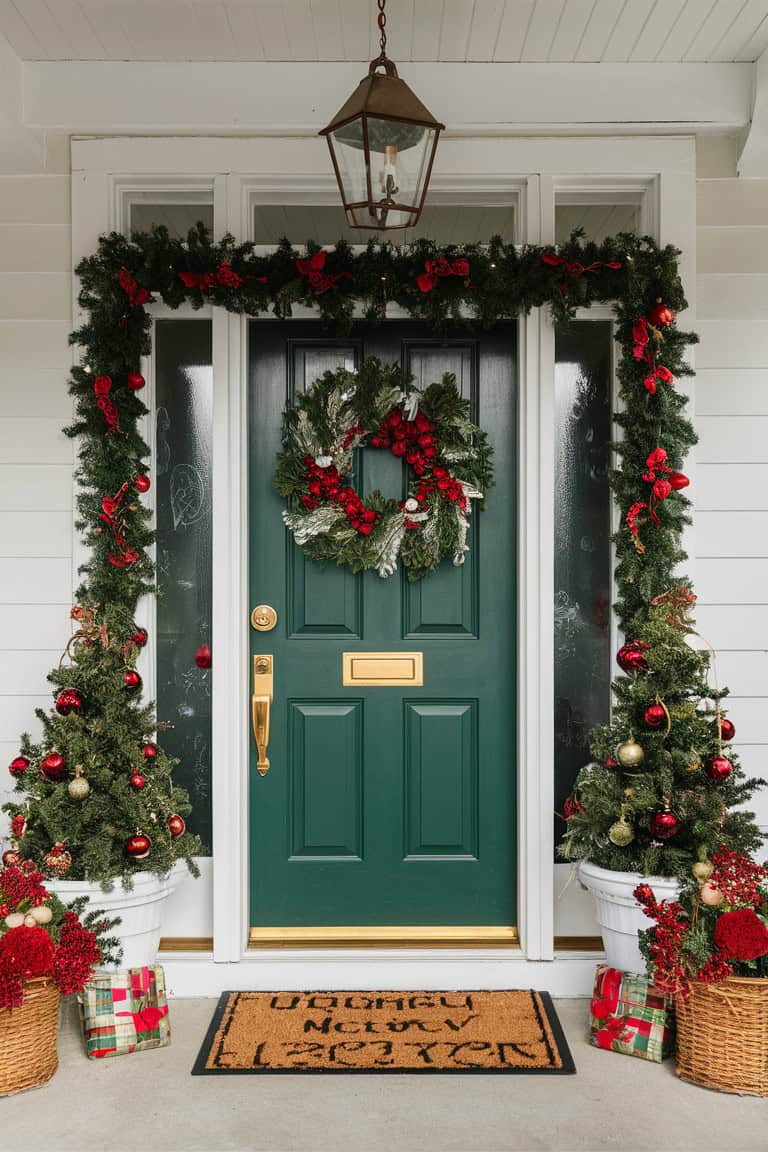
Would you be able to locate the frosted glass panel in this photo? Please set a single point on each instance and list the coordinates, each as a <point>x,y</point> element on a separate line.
<point>184,398</point>
<point>582,546</point>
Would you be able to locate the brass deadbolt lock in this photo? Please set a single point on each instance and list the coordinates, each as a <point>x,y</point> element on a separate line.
<point>263,618</point>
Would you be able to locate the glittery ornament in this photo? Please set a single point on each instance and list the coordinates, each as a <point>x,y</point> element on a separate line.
<point>621,833</point>
<point>58,861</point>
<point>630,754</point>
<point>664,825</point>
<point>718,768</point>
<point>68,700</point>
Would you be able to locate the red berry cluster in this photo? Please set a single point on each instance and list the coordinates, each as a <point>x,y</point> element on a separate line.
<point>667,938</point>
<point>741,935</point>
<point>76,956</point>
<point>414,439</point>
<point>738,878</point>
<point>325,486</point>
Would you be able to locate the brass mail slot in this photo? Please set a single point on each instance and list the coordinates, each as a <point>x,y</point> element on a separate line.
<point>379,669</point>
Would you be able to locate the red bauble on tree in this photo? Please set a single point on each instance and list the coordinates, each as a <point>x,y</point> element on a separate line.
<point>175,825</point>
<point>661,315</point>
<point>132,680</point>
<point>655,716</point>
<point>68,700</point>
<point>52,766</point>
<point>143,482</point>
<point>138,781</point>
<point>664,825</point>
<point>630,657</point>
<point>138,847</point>
<point>727,730</point>
<point>718,768</point>
<point>18,766</point>
<point>10,858</point>
<point>135,381</point>
<point>150,751</point>
<point>203,656</point>
<point>58,861</point>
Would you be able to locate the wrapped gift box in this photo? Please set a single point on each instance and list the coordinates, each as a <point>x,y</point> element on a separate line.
<point>627,1014</point>
<point>125,1012</point>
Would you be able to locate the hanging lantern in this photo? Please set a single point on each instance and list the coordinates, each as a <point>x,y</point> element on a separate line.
<point>382,143</point>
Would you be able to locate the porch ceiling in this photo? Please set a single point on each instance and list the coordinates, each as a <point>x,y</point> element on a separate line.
<point>533,31</point>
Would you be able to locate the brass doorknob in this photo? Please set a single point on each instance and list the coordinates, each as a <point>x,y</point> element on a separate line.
<point>263,618</point>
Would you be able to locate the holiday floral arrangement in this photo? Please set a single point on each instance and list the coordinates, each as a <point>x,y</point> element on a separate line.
<point>41,937</point>
<point>718,926</point>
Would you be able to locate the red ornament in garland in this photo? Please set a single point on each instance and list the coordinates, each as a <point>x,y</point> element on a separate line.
<point>143,482</point>
<point>58,861</point>
<point>139,638</point>
<point>135,381</point>
<point>138,847</point>
<point>18,824</point>
<point>10,858</point>
<point>718,768</point>
<point>52,766</point>
<point>138,781</point>
<point>661,316</point>
<point>176,825</point>
<point>203,656</point>
<point>630,656</point>
<point>655,716</point>
<point>727,731</point>
<point>611,762</point>
<point>664,825</point>
<point>150,751</point>
<point>68,700</point>
<point>132,680</point>
<point>18,766</point>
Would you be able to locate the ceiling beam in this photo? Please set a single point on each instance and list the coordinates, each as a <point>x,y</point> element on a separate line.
<point>753,160</point>
<point>299,98</point>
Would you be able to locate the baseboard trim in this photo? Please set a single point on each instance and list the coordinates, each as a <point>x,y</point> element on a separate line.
<point>186,944</point>
<point>579,944</point>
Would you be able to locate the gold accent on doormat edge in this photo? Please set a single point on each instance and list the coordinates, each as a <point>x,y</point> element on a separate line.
<point>186,944</point>
<point>386,936</point>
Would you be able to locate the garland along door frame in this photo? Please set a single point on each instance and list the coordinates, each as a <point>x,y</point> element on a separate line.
<point>107,174</point>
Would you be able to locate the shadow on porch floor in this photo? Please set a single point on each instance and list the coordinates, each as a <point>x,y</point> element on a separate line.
<point>150,1102</point>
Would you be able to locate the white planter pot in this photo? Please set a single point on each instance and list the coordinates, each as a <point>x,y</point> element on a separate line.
<point>140,910</point>
<point>618,913</point>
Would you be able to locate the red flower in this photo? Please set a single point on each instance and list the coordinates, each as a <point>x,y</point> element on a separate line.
<point>656,459</point>
<point>650,384</point>
<point>102,385</point>
<point>26,952</point>
<point>664,374</point>
<point>226,275</point>
<point>662,489</point>
<point>425,282</point>
<point>17,824</point>
<point>460,267</point>
<point>741,935</point>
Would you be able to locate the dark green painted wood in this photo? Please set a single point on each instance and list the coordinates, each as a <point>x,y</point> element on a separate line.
<point>385,805</point>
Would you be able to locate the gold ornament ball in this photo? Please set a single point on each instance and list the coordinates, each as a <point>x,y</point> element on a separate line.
<point>14,920</point>
<point>78,788</point>
<point>710,895</point>
<point>702,870</point>
<point>621,833</point>
<point>630,754</point>
<point>41,914</point>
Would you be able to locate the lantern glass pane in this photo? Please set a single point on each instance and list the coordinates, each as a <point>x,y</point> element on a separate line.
<point>400,161</point>
<point>350,158</point>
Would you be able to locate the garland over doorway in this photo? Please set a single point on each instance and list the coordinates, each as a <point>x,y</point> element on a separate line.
<point>470,284</point>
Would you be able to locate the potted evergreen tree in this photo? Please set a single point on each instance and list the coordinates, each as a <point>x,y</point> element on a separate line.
<point>665,790</point>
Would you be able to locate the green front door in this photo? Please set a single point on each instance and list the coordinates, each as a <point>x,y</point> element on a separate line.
<point>384,806</point>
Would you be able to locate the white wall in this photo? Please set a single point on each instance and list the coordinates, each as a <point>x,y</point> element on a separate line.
<point>731,524</point>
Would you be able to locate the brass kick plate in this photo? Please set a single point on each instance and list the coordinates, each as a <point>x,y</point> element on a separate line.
<point>382,669</point>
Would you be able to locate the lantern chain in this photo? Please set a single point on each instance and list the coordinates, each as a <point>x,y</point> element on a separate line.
<point>382,22</point>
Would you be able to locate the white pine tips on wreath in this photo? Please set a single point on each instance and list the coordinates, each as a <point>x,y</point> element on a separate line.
<point>447,457</point>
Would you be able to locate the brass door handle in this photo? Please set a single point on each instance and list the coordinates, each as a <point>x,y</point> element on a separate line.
<point>261,703</point>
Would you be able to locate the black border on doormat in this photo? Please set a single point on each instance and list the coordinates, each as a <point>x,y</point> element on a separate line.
<point>568,1066</point>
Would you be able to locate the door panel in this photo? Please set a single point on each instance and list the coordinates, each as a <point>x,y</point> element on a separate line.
<point>385,805</point>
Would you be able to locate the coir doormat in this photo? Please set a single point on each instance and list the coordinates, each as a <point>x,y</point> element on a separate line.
<point>256,1032</point>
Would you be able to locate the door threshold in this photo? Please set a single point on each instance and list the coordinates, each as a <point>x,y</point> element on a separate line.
<point>378,936</point>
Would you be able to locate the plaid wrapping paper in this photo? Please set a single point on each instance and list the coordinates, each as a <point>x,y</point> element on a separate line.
<point>627,1014</point>
<point>125,1012</point>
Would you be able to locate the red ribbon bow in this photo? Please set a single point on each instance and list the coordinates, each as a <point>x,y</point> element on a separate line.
<point>224,275</point>
<point>136,295</point>
<point>664,485</point>
<point>313,267</point>
<point>575,268</point>
<point>110,506</point>
<point>102,386</point>
<point>436,270</point>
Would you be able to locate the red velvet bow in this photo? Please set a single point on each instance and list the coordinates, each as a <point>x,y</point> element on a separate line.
<point>664,485</point>
<point>110,506</point>
<point>201,280</point>
<point>575,268</point>
<point>102,386</point>
<point>224,275</point>
<point>136,295</point>
<point>436,270</point>
<point>313,267</point>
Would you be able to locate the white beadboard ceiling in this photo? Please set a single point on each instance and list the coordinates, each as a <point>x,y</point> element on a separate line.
<point>532,31</point>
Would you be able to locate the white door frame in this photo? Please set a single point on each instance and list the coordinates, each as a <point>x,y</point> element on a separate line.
<point>239,172</point>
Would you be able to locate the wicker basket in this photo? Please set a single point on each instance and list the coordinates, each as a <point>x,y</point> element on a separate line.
<point>28,1038</point>
<point>722,1036</point>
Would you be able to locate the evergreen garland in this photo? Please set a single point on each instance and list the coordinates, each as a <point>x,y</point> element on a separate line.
<point>458,285</point>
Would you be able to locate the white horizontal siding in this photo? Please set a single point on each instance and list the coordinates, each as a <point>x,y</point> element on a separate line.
<point>35,487</point>
<point>723,439</point>
<point>38,627</point>
<point>36,581</point>
<point>36,534</point>
<point>34,440</point>
<point>729,533</point>
<point>727,580</point>
<point>24,673</point>
<point>731,392</point>
<point>732,486</point>
<point>31,391</point>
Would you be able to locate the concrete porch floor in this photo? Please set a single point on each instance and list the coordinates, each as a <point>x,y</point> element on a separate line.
<point>149,1102</point>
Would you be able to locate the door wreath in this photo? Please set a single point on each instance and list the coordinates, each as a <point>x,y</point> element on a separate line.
<point>447,456</point>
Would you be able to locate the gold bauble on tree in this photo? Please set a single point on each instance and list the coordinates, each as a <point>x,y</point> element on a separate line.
<point>78,788</point>
<point>630,754</point>
<point>702,870</point>
<point>621,833</point>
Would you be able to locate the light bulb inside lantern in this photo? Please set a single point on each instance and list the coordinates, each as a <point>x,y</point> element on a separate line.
<point>388,174</point>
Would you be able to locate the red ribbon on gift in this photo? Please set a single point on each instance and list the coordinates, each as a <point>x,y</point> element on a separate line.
<point>437,270</point>
<point>313,270</point>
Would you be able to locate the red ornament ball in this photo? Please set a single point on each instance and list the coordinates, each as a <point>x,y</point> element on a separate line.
<point>136,381</point>
<point>131,679</point>
<point>655,716</point>
<point>718,768</point>
<point>150,751</point>
<point>664,825</point>
<point>143,482</point>
<point>661,315</point>
<point>203,656</point>
<point>139,638</point>
<point>611,762</point>
<point>52,766</point>
<point>18,766</point>
<point>630,657</point>
<point>138,847</point>
<point>176,825</point>
<point>727,731</point>
<point>138,781</point>
<point>10,858</point>
<point>68,700</point>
